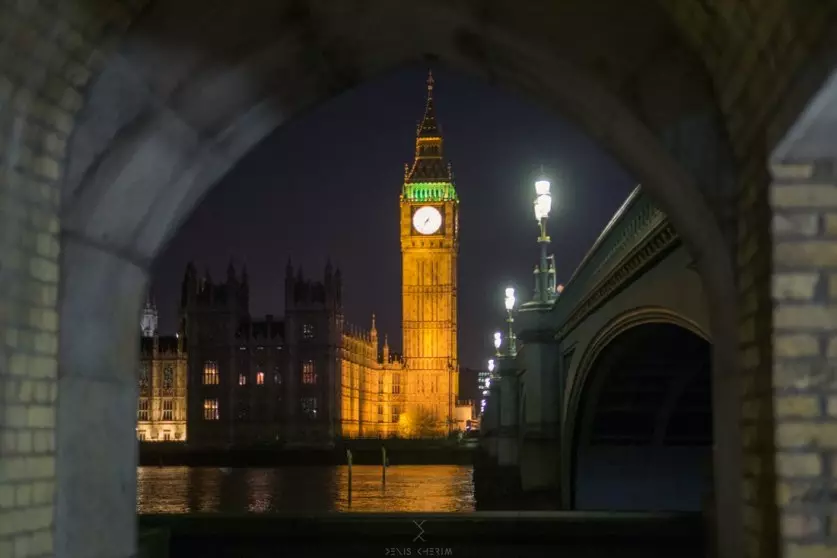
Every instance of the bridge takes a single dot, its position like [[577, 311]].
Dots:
[[607, 404]]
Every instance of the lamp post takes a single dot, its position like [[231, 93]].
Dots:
[[498, 341], [511, 341], [545, 282]]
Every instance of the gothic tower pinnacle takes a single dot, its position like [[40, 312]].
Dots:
[[148, 324], [429, 177]]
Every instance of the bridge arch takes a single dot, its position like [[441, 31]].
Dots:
[[635, 348]]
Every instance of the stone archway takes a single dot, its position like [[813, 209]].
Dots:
[[118, 116], [639, 425]]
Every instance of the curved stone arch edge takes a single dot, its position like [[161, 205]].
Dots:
[[602, 116], [614, 328]]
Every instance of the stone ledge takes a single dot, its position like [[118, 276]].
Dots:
[[608, 532]]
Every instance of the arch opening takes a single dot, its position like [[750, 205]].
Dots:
[[643, 431], [118, 217]]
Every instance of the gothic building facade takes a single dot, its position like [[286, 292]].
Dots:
[[307, 379], [311, 378], [161, 407]]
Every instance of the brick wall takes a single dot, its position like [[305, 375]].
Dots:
[[755, 333], [754, 50], [804, 200], [47, 55]]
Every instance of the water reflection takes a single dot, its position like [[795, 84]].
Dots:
[[436, 488]]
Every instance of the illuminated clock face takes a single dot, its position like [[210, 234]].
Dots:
[[427, 219]]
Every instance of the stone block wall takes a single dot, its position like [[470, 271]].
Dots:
[[804, 380], [47, 55]]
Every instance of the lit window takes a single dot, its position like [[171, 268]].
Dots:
[[396, 384], [167, 436], [260, 378], [210, 373], [396, 413], [168, 409], [142, 409], [308, 374], [210, 409], [141, 436], [381, 384], [307, 331], [309, 407], [242, 380]]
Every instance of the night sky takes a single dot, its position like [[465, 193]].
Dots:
[[327, 185]]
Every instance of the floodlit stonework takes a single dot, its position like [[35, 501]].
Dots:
[[116, 116]]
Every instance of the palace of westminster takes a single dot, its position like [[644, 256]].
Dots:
[[226, 378]]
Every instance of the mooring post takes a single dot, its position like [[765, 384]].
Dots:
[[384, 464], [349, 460]]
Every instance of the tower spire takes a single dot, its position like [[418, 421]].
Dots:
[[428, 165]]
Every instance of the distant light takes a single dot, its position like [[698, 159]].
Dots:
[[491, 364], [487, 382], [498, 339], [509, 298], [485, 392], [559, 288]]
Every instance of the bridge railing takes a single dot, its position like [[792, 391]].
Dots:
[[632, 221]]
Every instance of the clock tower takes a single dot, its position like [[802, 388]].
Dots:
[[429, 250]]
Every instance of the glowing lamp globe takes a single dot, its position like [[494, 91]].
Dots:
[[488, 382], [542, 187], [498, 340], [543, 204], [491, 365], [509, 298]]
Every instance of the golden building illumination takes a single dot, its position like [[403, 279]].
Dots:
[[429, 251], [370, 401], [161, 407], [311, 378]]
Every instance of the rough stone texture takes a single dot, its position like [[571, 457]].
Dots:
[[803, 383], [194, 85]]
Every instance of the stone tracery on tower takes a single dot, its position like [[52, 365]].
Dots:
[[429, 274]]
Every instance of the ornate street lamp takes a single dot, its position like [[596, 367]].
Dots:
[[545, 271], [509, 302], [498, 341]]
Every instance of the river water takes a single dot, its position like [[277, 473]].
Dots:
[[408, 488]]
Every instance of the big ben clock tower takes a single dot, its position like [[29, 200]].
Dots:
[[429, 248]]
